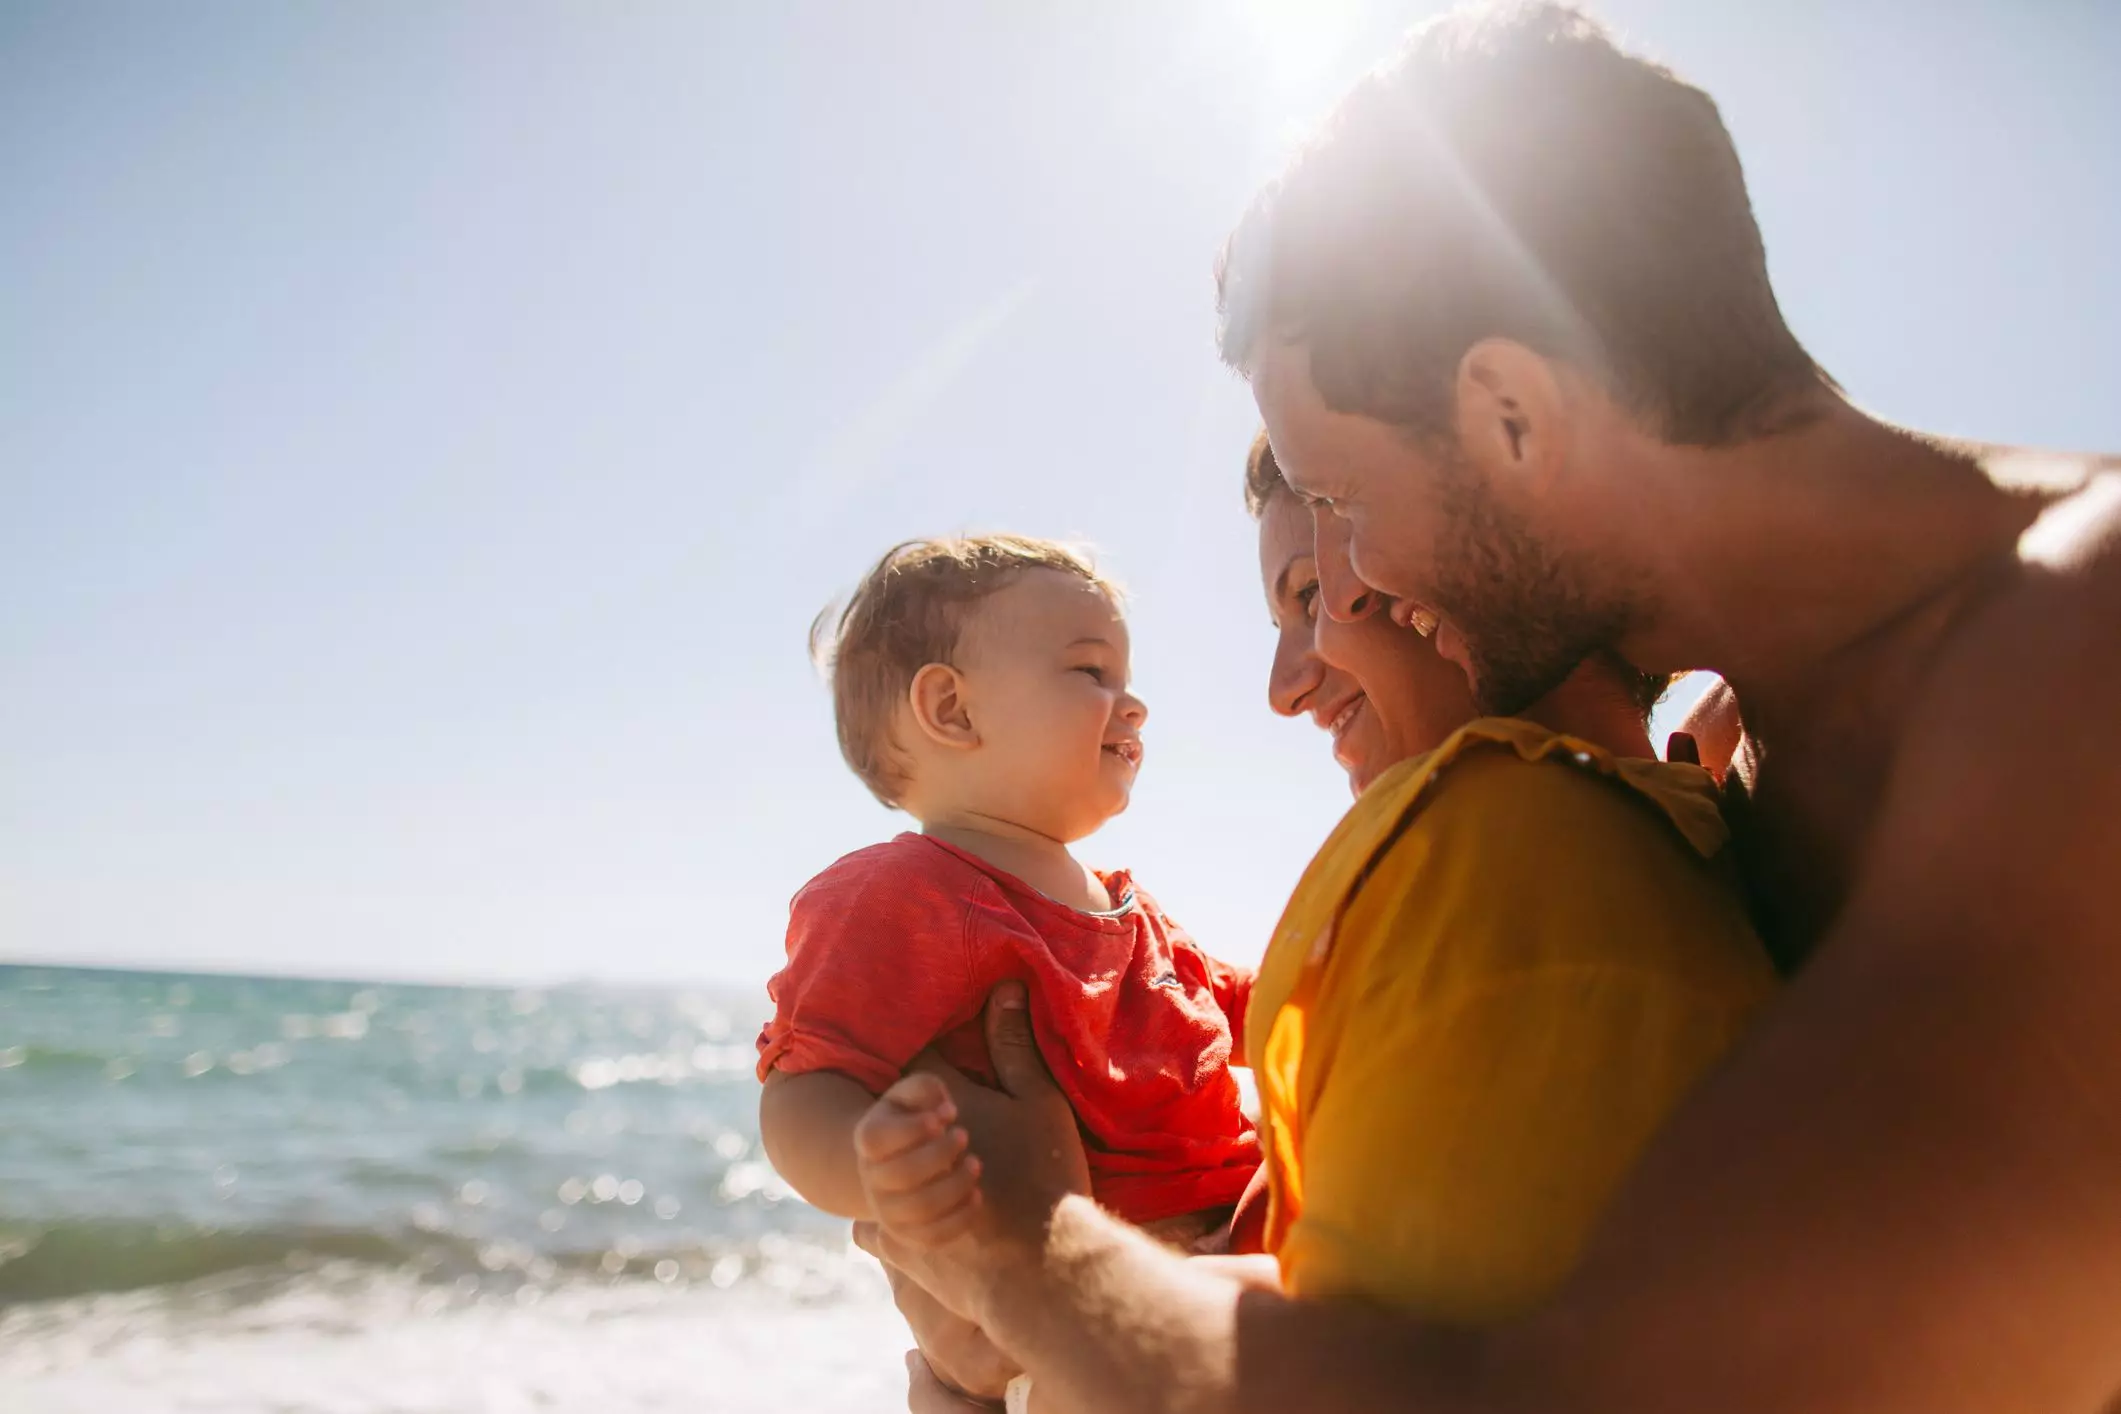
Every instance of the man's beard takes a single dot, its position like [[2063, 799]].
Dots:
[[1526, 621]]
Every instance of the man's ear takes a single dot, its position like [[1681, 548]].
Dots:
[[940, 710], [1512, 414]]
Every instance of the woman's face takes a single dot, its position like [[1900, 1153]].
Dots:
[[1379, 689]]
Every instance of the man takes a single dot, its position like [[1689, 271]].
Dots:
[[1509, 324]]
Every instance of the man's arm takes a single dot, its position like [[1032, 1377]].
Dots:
[[1111, 1322], [931, 1395]]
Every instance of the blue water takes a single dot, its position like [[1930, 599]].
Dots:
[[162, 1127], [231, 1194]]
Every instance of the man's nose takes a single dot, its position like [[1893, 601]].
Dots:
[[1346, 597]]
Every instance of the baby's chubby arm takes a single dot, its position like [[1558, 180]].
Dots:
[[814, 1130], [807, 1122]]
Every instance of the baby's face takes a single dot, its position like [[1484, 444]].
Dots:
[[1044, 664]]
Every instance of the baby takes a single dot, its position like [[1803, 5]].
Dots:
[[980, 685]]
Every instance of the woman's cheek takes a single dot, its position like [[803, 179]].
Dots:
[[1370, 744]]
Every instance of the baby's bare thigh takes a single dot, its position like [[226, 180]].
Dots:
[[1202, 1234]]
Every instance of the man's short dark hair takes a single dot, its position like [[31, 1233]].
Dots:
[[1513, 174]]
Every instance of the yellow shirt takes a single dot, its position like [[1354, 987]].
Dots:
[[1492, 985]]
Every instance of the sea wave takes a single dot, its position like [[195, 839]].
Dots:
[[34, 1059], [47, 1261], [172, 1141], [44, 1262]]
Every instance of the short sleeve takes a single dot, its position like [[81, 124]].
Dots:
[[1519, 996], [879, 965]]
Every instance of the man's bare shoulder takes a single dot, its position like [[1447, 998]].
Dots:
[[2056, 622], [2013, 749], [2031, 470], [2080, 529]]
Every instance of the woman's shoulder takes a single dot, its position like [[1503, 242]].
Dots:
[[1507, 775], [1503, 774], [1512, 849]]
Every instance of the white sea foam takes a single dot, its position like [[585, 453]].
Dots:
[[366, 1342]]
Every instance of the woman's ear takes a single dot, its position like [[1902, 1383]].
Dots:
[[1512, 417], [940, 710]]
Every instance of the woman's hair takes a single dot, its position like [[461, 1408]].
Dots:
[[906, 613], [1263, 482]]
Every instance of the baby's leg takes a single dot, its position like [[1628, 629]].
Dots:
[[1202, 1234]]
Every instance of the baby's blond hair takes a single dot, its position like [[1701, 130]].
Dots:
[[908, 612]]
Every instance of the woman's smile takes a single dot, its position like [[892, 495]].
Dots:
[[1336, 725], [1341, 726]]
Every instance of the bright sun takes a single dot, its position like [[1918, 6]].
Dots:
[[1299, 40]]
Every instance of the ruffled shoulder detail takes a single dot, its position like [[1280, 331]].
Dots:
[[1685, 795]]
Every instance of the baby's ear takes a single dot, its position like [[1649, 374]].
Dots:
[[937, 697]]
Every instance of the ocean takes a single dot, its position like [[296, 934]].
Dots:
[[224, 1193]]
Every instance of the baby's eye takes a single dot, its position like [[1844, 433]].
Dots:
[[1097, 674], [1308, 598]]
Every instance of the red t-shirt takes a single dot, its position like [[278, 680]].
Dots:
[[895, 948]]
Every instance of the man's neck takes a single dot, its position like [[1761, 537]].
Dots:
[[1039, 860], [1595, 706], [1779, 562]]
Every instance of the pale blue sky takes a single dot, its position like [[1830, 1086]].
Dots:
[[426, 431]]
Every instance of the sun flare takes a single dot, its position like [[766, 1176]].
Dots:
[[1299, 40]]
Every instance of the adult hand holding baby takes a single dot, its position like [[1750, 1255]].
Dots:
[[963, 1178], [953, 1354]]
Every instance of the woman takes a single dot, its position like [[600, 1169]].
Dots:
[[1509, 962]]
